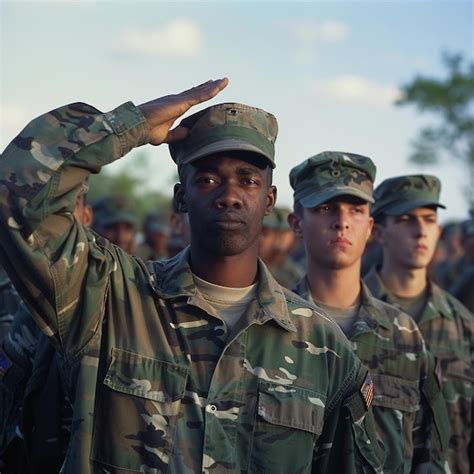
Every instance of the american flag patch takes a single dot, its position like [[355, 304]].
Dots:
[[367, 390], [5, 363]]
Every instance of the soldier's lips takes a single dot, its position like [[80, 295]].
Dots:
[[341, 241], [228, 222], [421, 248]]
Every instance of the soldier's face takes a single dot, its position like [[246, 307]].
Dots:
[[410, 239], [334, 233], [226, 199], [123, 235]]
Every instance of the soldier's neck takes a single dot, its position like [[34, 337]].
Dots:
[[235, 271], [339, 288], [402, 281]]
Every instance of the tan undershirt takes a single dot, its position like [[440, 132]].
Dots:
[[413, 306], [344, 317], [230, 303]]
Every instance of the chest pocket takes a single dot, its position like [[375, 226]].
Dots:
[[136, 413], [288, 422], [395, 404]]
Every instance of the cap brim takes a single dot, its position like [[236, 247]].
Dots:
[[403, 207], [226, 145], [316, 199]]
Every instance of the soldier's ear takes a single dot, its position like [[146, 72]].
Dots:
[[179, 200], [271, 199], [294, 221], [378, 233]]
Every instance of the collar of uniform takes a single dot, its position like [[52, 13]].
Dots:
[[173, 278], [437, 303], [370, 311]]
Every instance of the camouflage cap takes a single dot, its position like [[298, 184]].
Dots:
[[112, 210], [398, 195], [156, 222], [277, 219], [226, 127], [330, 174]]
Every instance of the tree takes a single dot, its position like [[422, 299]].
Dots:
[[452, 100]]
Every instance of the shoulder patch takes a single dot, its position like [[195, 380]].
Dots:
[[367, 390]]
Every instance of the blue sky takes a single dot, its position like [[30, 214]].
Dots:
[[329, 71]]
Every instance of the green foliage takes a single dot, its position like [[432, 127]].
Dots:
[[451, 100], [130, 183]]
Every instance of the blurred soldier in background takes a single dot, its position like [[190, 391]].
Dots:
[[332, 193], [463, 286], [405, 213], [276, 243], [180, 232], [35, 411], [115, 219], [156, 230]]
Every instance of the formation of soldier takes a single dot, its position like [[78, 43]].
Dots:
[[188, 353]]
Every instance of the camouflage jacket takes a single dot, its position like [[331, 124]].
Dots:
[[448, 330], [9, 303], [156, 382], [389, 343]]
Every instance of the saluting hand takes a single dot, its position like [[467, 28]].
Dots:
[[161, 113]]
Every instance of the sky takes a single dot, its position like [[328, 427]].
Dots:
[[329, 71]]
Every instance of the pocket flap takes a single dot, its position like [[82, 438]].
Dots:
[[145, 377], [396, 393], [291, 406]]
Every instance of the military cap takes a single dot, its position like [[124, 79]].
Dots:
[[398, 195], [277, 219], [330, 174], [113, 209], [156, 222], [226, 127]]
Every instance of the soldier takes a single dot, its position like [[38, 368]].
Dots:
[[405, 214], [201, 363], [157, 233], [35, 411], [115, 220], [332, 195]]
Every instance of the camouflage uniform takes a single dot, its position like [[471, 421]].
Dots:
[[9, 303], [448, 330], [409, 411], [446, 325], [157, 383], [407, 396]]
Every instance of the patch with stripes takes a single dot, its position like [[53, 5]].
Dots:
[[367, 391]]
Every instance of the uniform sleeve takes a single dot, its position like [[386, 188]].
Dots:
[[54, 262], [349, 442]]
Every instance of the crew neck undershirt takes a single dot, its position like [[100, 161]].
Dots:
[[230, 303], [414, 305], [344, 317]]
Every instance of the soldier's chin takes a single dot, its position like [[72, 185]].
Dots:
[[230, 247]]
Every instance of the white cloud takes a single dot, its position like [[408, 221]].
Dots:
[[308, 33], [179, 38], [355, 90]]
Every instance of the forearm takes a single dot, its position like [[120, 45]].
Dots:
[[51, 257]]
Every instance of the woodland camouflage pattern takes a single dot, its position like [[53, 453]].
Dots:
[[157, 382], [448, 330], [409, 411]]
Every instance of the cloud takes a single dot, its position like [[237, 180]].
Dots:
[[308, 33], [180, 38], [355, 90]]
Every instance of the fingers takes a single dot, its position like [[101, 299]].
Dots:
[[205, 91], [176, 134]]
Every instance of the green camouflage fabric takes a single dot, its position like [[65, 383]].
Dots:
[[157, 383], [35, 414], [332, 173], [448, 330], [398, 195], [226, 127], [409, 411]]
